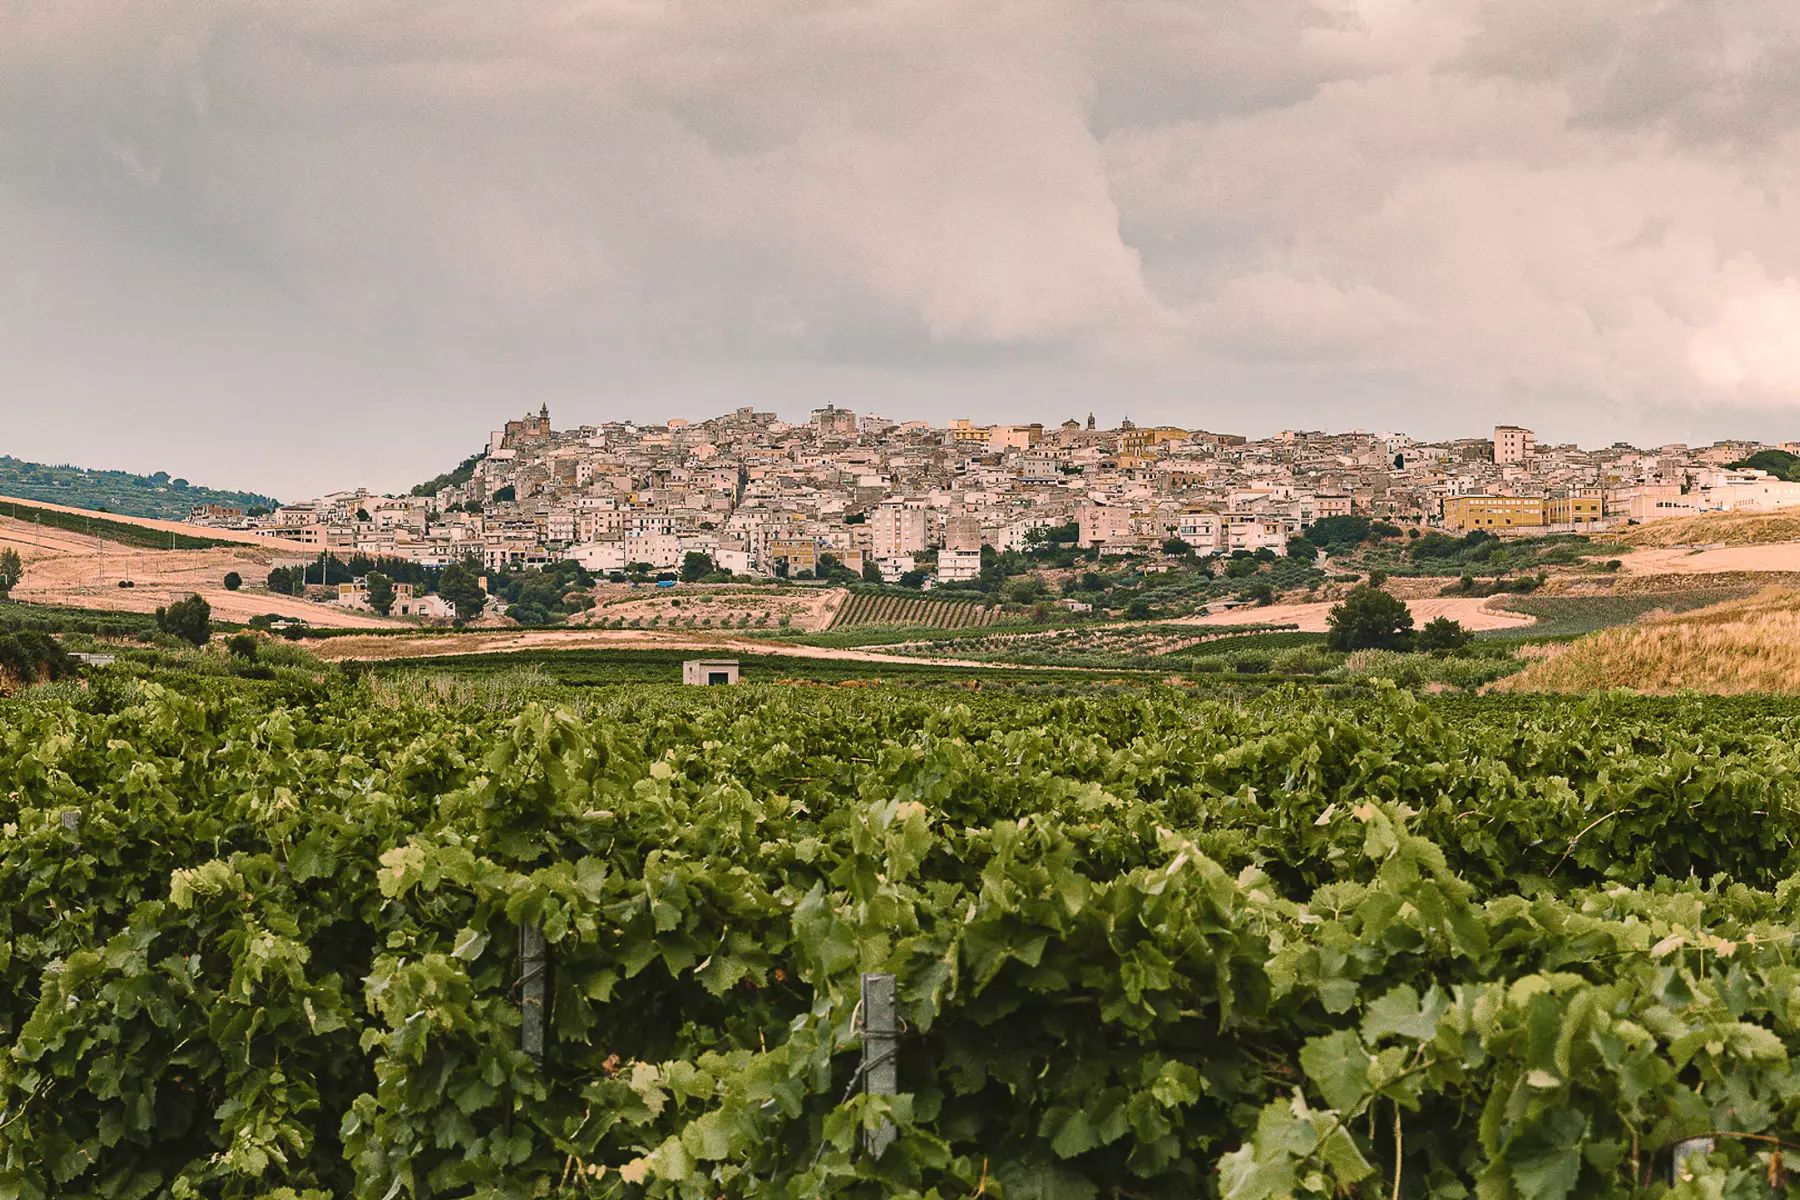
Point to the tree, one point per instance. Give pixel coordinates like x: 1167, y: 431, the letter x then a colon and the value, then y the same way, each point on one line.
x: 283, y: 581
x: 1444, y: 634
x: 1174, y: 547
x: 1367, y: 619
x: 695, y: 566
x: 505, y: 495
x: 381, y: 592
x: 1338, y: 533
x: 233, y: 581
x: 1778, y: 463
x: 462, y: 591
x: 871, y: 572
x: 464, y: 472
x: 913, y: 579
x: 1299, y: 547
x: 190, y: 620
x: 529, y: 613
x: 1026, y: 590
x: 28, y: 656
x: 11, y: 568
x: 1069, y: 531
x: 242, y: 645
x: 362, y: 515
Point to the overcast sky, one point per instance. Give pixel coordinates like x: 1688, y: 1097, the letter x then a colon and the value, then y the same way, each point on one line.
x: 304, y: 244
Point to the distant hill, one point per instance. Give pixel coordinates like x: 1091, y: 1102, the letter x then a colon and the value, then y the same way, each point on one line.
x: 117, y: 491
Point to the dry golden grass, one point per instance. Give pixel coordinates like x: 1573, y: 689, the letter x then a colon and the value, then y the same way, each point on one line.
x: 1713, y: 529
x: 1746, y: 645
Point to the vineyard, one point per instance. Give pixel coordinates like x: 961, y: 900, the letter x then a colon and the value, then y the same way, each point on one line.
x: 863, y: 608
x: 260, y: 939
x: 1565, y: 616
x: 1102, y: 645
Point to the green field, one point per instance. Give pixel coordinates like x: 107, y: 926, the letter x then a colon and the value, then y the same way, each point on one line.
x: 267, y: 935
x: 601, y: 668
x: 1565, y: 616
x: 1136, y: 645
x: 50, y: 618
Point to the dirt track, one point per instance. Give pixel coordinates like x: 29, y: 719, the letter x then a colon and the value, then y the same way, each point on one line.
x: 1472, y: 612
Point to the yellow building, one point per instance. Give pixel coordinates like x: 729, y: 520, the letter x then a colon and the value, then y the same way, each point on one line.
x: 801, y: 554
x: 1463, y: 513
x: 1574, y: 510
x: 1141, y: 441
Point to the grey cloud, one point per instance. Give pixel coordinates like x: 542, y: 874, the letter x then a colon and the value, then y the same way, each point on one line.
x: 417, y: 217
x: 1706, y: 72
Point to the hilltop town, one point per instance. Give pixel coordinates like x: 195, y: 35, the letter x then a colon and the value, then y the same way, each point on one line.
x: 891, y: 501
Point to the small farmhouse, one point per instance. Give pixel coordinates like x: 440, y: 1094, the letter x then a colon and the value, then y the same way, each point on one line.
x: 709, y: 672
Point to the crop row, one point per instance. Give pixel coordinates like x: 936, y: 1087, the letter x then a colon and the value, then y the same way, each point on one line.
x: 884, y: 609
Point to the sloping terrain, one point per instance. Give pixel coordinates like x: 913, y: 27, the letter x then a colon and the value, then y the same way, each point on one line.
x: 14, y: 506
x: 76, y: 571
x: 1745, y: 645
x: 1713, y: 529
x: 117, y: 491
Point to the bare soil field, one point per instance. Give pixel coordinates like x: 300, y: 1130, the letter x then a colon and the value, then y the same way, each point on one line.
x: 1773, y: 557
x: 1474, y: 612
x: 205, y: 531
x: 71, y: 569
x: 806, y: 610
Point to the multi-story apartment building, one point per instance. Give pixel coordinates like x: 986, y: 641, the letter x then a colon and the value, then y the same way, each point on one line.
x: 1098, y: 524
x: 898, y: 529
x: 1513, y: 444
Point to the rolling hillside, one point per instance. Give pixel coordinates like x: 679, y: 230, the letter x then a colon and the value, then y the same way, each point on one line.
x: 121, y: 492
x: 1745, y: 645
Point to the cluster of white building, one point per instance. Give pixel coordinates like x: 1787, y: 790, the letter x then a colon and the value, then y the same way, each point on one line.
x: 762, y: 496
